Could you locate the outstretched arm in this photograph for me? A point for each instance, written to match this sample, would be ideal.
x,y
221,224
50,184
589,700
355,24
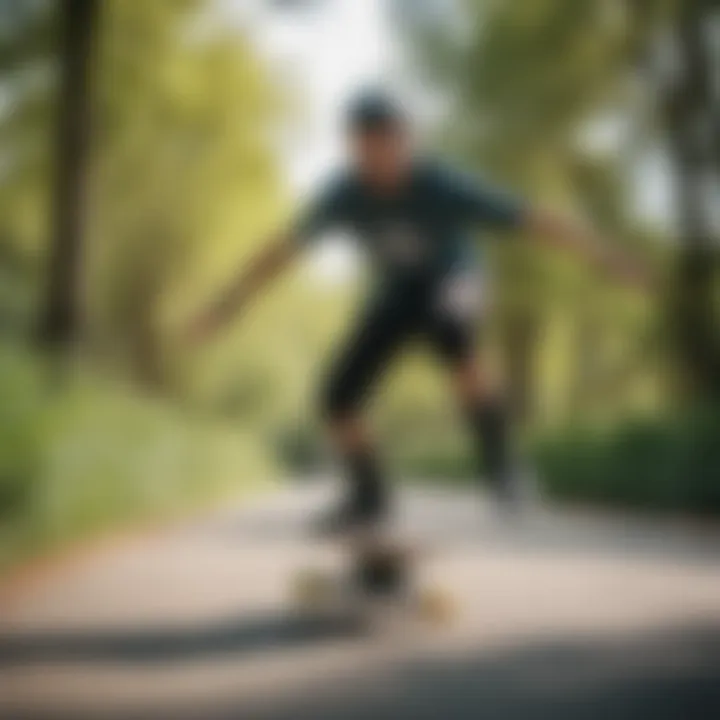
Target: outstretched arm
x,y
270,262
476,199
325,210
564,233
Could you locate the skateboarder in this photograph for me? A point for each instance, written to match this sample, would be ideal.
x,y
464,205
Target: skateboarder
x,y
413,216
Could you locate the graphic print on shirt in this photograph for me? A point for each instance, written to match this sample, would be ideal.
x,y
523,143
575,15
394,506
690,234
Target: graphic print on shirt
x,y
400,244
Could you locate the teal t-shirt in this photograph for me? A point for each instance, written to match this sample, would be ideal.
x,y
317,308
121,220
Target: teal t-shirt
x,y
423,230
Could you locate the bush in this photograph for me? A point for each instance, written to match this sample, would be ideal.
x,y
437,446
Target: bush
x,y
450,460
662,463
20,436
89,455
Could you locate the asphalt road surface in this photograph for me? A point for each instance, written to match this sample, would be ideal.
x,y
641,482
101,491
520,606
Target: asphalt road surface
x,y
563,616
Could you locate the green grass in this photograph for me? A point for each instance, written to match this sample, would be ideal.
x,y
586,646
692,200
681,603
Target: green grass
x,y
87,456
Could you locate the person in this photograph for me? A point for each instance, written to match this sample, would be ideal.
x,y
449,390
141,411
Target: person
x,y
413,215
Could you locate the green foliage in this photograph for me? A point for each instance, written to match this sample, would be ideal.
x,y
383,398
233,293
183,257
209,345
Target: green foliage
x,y
529,82
185,183
184,178
670,464
21,446
94,455
446,462
666,464
186,174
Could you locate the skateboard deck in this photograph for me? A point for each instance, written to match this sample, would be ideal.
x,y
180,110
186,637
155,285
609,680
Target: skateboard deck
x,y
378,576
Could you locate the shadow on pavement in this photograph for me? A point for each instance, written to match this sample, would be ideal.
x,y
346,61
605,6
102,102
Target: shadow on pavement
x,y
659,675
251,634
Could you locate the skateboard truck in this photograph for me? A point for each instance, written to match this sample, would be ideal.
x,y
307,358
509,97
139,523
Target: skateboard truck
x,y
381,572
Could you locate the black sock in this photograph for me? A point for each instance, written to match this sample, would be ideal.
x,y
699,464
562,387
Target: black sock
x,y
368,488
490,427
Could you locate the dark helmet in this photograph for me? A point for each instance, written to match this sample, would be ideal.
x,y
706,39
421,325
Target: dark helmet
x,y
374,110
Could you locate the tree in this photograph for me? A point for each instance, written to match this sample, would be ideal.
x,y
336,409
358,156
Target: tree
x,y
692,116
60,312
182,162
676,55
185,173
526,80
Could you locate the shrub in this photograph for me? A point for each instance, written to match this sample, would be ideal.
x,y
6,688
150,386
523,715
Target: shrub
x,y
78,458
660,463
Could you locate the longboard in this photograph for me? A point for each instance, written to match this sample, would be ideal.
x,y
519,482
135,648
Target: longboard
x,y
378,576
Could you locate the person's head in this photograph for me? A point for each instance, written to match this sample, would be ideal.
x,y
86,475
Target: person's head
x,y
379,137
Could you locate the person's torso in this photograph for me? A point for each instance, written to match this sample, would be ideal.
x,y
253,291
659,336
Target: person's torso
x,y
412,235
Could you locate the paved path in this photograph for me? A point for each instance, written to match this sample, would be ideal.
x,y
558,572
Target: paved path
x,y
564,617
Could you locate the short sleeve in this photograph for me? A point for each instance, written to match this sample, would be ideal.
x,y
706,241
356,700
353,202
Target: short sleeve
x,y
325,210
477,200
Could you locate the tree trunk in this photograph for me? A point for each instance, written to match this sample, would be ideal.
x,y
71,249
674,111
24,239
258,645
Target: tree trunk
x,y
60,312
689,111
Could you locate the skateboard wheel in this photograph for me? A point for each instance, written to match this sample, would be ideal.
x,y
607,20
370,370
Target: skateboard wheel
x,y
436,606
312,589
